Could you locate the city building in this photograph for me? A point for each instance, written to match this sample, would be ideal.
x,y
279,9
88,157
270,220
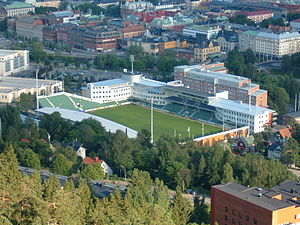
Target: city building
x,y
95,160
44,3
12,87
132,30
101,38
295,24
233,203
57,32
201,53
106,3
60,17
129,8
257,16
19,8
270,45
239,88
227,40
205,30
13,61
193,4
30,27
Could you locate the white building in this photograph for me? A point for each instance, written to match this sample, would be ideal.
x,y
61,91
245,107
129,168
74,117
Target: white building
x,y
241,114
13,61
128,86
270,45
95,160
205,30
19,8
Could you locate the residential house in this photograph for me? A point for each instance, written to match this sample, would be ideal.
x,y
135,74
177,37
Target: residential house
x,y
257,16
244,145
94,160
78,147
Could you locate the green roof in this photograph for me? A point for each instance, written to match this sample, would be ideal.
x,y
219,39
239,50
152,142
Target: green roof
x,y
18,5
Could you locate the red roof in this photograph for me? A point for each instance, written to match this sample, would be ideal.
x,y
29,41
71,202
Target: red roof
x,y
285,133
25,140
296,21
92,160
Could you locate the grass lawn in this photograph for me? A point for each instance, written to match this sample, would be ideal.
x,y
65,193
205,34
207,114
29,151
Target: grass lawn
x,y
138,118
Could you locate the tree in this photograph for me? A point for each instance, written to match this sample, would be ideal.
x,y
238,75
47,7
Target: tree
x,y
28,158
181,209
200,214
26,102
137,51
227,174
93,172
249,56
61,165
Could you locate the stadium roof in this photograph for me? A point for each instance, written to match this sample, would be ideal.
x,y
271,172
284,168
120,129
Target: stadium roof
x,y
79,116
151,83
110,82
239,107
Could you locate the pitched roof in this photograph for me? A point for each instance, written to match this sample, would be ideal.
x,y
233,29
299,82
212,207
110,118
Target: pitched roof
x,y
91,160
296,21
285,133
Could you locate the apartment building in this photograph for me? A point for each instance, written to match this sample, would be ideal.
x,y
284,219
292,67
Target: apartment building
x,y
233,203
257,16
44,3
13,61
270,45
132,30
30,27
201,53
18,8
239,88
295,24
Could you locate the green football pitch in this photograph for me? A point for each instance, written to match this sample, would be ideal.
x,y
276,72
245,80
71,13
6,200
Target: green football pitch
x,y
138,118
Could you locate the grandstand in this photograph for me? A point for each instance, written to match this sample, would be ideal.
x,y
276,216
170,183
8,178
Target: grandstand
x,y
72,102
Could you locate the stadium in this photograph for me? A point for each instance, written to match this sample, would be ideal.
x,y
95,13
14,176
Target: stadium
x,y
179,110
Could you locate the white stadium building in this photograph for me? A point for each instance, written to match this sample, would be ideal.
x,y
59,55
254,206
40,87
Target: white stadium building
x,y
136,87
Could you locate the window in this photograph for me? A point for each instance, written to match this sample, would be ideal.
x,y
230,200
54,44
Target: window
x,y
226,218
247,218
254,221
233,221
233,212
241,215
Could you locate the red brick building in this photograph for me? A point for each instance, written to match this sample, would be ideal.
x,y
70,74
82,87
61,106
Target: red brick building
x,y
235,204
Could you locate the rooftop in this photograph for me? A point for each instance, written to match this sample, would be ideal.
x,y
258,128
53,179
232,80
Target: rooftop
x,y
272,35
150,83
18,5
91,160
8,52
258,196
293,114
62,14
9,84
239,107
110,82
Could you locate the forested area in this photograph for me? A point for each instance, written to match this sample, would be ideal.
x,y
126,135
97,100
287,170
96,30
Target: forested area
x,y
177,165
25,200
281,88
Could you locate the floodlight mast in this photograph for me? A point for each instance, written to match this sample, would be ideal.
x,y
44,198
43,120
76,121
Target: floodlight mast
x,y
131,60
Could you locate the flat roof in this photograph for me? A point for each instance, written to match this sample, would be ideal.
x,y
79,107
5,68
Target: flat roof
x,y
189,90
110,82
257,196
239,107
293,114
150,83
79,116
9,52
9,84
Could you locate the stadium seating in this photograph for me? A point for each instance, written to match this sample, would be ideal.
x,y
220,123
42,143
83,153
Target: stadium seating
x,y
44,102
86,105
173,108
71,102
